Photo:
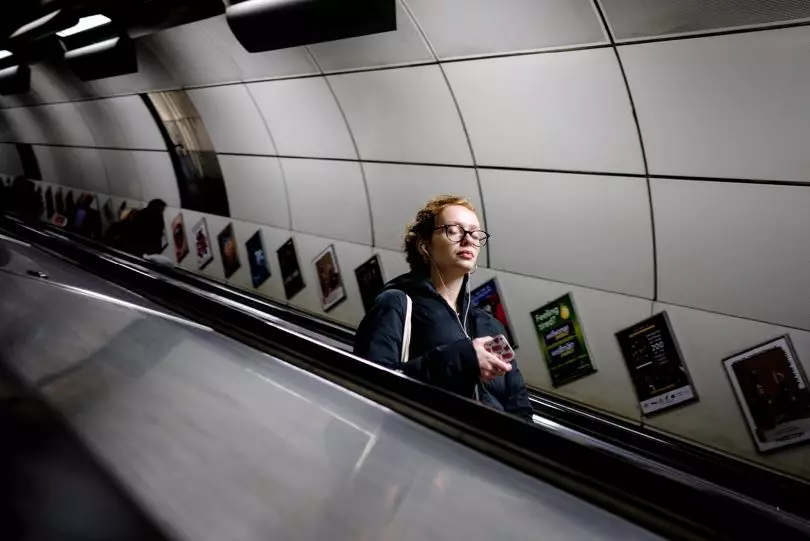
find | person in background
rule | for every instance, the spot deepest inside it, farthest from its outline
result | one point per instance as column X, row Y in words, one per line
column 87, row 221
column 21, row 199
column 447, row 347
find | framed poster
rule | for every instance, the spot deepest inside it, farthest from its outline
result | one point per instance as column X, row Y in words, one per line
column 771, row 389
column 180, row 239
column 70, row 206
column 329, row 278
column 488, row 298
column 228, row 251
column 59, row 201
column 202, row 243
column 290, row 269
column 562, row 341
column 370, row 279
column 49, row 207
column 257, row 259
column 656, row 365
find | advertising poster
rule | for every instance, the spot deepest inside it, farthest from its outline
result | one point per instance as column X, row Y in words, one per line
column 49, row 207
column 257, row 259
column 290, row 269
column 562, row 341
column 179, row 236
column 202, row 243
column 228, row 251
column 59, row 199
column 329, row 278
column 370, row 279
column 656, row 366
column 488, row 298
column 70, row 206
column 772, row 391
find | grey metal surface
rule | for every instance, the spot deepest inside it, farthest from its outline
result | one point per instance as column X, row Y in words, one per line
column 219, row 441
column 632, row 19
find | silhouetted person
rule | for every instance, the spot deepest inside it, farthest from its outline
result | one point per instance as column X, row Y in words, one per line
column 148, row 230
column 22, row 199
column 87, row 220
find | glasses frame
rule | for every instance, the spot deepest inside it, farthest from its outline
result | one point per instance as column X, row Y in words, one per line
column 470, row 233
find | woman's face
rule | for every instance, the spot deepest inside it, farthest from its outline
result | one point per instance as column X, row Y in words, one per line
column 449, row 256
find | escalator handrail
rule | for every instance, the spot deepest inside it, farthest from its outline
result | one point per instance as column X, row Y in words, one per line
column 657, row 495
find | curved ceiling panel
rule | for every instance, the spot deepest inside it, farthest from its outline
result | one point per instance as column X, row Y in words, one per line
column 458, row 28
column 66, row 125
column 122, row 122
column 232, row 119
column 600, row 226
column 192, row 56
column 315, row 186
column 403, row 46
column 152, row 76
column 141, row 175
column 80, row 168
column 565, row 111
column 397, row 192
column 26, row 124
column 405, row 115
column 731, row 106
column 267, row 65
column 630, row 19
column 304, row 118
column 739, row 249
column 10, row 163
column 256, row 190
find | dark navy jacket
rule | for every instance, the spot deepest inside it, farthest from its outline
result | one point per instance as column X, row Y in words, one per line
column 440, row 353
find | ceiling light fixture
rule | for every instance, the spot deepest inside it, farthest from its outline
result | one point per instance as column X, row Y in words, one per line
column 5, row 54
column 39, row 23
column 85, row 23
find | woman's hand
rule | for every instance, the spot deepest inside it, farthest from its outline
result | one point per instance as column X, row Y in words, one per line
column 490, row 365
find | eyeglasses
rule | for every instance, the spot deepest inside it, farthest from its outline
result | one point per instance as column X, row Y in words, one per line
column 456, row 233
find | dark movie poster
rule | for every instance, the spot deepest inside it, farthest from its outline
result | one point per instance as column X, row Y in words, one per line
column 290, row 269
column 70, row 206
column 656, row 366
column 49, row 207
column 60, row 202
column 562, row 341
column 257, row 259
column 330, row 279
column 773, row 395
column 488, row 298
column 179, row 236
column 202, row 244
column 370, row 280
column 228, row 251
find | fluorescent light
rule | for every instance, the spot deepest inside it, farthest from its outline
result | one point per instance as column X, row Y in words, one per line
column 5, row 54
column 35, row 24
column 85, row 23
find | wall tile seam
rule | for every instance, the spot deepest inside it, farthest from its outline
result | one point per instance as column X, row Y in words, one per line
column 652, row 176
column 372, row 232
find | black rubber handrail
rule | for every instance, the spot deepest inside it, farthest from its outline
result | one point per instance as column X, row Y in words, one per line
column 585, row 461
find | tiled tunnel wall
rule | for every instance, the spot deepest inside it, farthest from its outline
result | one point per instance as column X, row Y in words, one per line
column 644, row 155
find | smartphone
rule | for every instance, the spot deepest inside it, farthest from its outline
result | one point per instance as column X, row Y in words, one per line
column 500, row 347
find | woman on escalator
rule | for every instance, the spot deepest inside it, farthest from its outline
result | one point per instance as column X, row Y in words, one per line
column 448, row 337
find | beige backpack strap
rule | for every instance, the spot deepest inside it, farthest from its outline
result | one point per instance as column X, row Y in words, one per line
column 406, row 333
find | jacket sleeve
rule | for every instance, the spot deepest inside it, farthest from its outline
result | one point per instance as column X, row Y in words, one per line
column 452, row 366
column 515, row 399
